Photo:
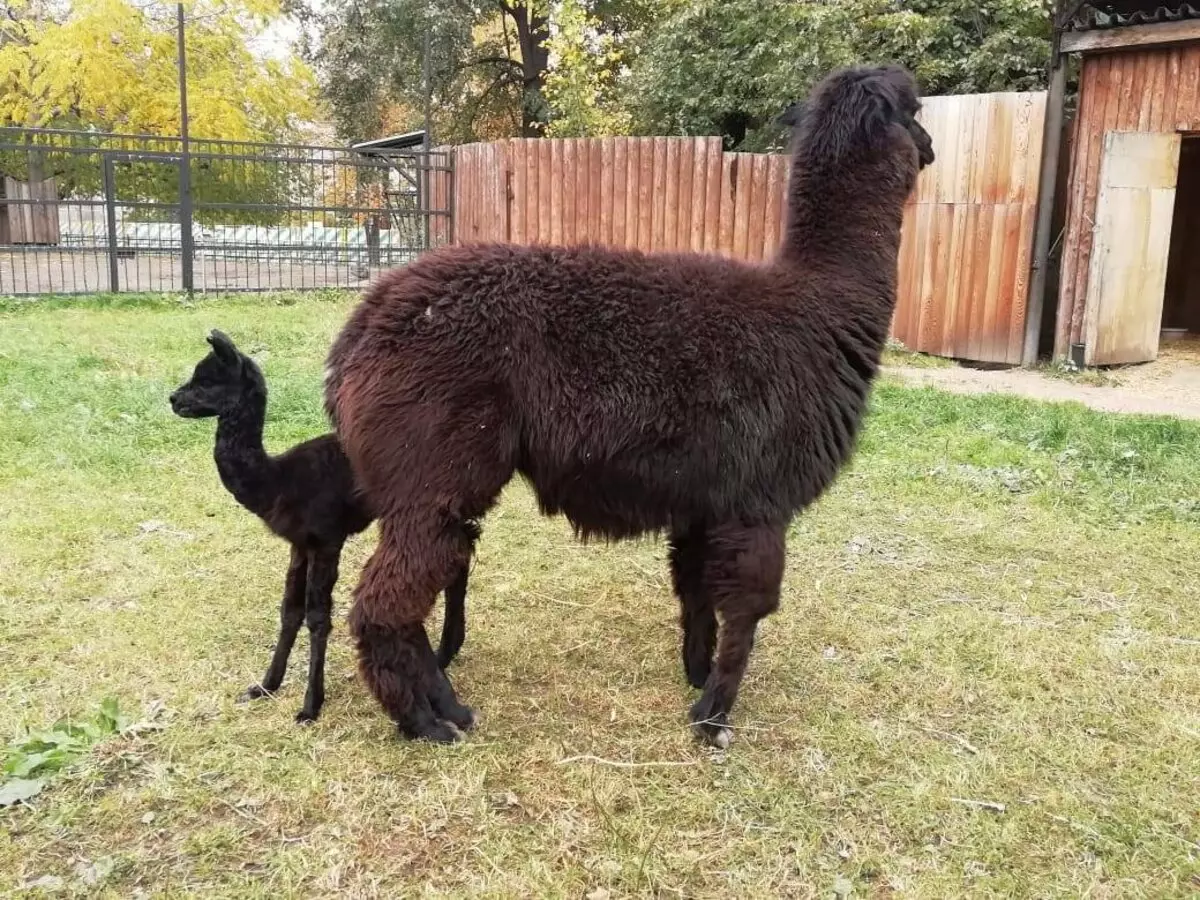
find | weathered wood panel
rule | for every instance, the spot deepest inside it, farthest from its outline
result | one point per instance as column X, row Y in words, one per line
column 1128, row 274
column 964, row 258
column 1151, row 90
column 968, row 230
column 25, row 222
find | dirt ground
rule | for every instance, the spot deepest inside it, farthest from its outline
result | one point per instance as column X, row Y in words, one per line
column 1168, row 386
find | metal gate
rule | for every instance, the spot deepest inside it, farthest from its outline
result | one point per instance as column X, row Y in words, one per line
column 83, row 212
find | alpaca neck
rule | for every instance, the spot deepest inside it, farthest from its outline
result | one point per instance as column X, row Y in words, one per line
column 243, row 464
column 849, row 214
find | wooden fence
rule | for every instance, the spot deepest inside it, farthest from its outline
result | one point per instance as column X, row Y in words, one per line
column 964, row 259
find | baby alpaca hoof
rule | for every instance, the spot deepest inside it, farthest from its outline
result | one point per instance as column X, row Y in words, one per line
column 306, row 717
column 254, row 692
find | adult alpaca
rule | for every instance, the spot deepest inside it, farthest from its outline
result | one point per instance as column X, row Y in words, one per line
column 691, row 394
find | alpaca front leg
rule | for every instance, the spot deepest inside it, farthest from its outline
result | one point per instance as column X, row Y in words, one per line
column 744, row 570
column 291, row 617
column 322, row 576
column 412, row 564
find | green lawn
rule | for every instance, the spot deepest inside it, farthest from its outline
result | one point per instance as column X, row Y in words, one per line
column 998, row 603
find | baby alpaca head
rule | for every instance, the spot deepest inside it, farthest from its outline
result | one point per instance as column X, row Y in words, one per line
column 223, row 382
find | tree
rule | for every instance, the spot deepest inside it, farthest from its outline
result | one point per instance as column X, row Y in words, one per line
column 731, row 66
column 111, row 66
column 498, row 67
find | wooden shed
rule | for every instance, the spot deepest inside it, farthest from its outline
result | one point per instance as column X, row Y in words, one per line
column 1130, row 254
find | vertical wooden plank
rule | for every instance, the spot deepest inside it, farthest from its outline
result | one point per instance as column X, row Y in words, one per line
column 1016, row 315
column 659, row 195
column 516, row 200
column 928, row 215
column 1007, row 276
column 671, row 180
column 633, row 192
column 620, row 189
column 681, row 240
column 729, row 174
column 949, row 164
column 977, row 284
column 774, row 201
column 1158, row 89
column 1131, row 90
column 979, row 173
column 699, row 203
column 998, row 155
column 1187, row 92
column 596, row 199
column 758, row 208
column 532, row 188
column 1093, row 123
column 963, row 296
column 965, row 160
column 605, row 235
column 907, row 279
column 954, row 269
column 1171, row 104
column 933, row 303
column 714, row 191
column 565, row 185
column 646, row 191
column 546, row 191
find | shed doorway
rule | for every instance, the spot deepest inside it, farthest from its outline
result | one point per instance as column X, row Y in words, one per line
column 1181, row 305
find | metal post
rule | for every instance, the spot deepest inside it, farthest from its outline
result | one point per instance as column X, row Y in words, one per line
column 110, row 218
column 424, row 178
column 1052, row 133
column 185, row 159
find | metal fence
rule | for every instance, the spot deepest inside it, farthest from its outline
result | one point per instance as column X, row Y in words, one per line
column 82, row 212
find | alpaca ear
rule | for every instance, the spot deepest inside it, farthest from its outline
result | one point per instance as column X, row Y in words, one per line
column 224, row 348
column 792, row 115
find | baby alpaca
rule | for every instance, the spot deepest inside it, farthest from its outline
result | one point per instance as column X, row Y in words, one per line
column 306, row 496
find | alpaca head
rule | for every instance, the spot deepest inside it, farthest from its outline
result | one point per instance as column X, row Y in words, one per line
column 225, row 381
column 863, row 110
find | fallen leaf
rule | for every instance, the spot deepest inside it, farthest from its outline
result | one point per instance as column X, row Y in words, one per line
column 18, row 790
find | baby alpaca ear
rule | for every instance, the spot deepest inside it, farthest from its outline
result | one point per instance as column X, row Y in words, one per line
column 224, row 348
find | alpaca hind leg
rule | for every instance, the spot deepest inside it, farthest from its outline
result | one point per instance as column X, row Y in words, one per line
column 291, row 617
column 419, row 553
column 318, row 614
column 697, row 618
column 743, row 571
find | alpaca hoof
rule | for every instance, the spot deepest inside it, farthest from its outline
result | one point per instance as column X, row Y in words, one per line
column 254, row 692
column 436, row 732
column 715, row 735
column 698, row 679
column 711, row 726
column 306, row 717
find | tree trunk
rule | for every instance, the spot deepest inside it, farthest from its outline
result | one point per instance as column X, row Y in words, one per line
column 532, row 33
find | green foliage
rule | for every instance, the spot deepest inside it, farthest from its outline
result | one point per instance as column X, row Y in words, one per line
column 110, row 65
column 35, row 756
column 731, row 66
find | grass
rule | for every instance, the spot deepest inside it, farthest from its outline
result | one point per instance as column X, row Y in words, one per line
column 996, row 603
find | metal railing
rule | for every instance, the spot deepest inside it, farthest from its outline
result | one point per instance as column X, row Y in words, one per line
column 82, row 212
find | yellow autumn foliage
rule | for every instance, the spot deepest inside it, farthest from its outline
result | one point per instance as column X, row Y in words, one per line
column 111, row 65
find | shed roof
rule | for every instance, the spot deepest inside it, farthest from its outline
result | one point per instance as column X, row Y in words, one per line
column 1092, row 16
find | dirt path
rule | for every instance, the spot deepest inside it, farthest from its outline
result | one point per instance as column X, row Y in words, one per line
column 1169, row 386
